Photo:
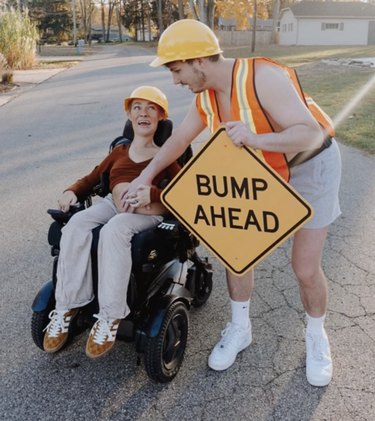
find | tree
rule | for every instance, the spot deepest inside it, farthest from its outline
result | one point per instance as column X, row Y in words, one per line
column 168, row 14
column 254, row 31
column 86, row 8
column 102, row 14
column 181, row 9
column 160, row 16
column 9, row 4
column 111, row 6
column 57, row 22
column 118, row 20
column 193, row 9
column 275, row 19
column 129, row 15
column 141, row 16
column 203, row 10
column 238, row 10
column 242, row 10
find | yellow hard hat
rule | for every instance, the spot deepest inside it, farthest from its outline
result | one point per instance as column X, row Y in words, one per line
column 186, row 39
column 149, row 93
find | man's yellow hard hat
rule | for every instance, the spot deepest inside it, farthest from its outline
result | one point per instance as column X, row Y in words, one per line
column 186, row 39
column 149, row 93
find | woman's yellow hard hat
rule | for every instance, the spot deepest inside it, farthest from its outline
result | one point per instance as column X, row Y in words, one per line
column 149, row 93
column 186, row 39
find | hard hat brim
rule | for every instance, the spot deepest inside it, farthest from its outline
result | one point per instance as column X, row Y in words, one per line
column 157, row 62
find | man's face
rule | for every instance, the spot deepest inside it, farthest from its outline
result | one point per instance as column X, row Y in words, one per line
column 188, row 74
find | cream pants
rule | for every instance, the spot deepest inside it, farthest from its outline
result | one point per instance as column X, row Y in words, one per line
column 74, row 286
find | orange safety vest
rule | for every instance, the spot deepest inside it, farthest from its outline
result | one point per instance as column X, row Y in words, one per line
column 245, row 106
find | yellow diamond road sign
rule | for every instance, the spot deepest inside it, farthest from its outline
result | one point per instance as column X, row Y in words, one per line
column 235, row 203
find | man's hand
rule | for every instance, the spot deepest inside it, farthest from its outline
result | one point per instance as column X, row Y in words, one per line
column 141, row 198
column 67, row 199
column 240, row 134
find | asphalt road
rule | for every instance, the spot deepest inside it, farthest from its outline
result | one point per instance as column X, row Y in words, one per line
column 58, row 130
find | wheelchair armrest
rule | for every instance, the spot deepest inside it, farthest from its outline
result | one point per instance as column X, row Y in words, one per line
column 63, row 217
column 175, row 227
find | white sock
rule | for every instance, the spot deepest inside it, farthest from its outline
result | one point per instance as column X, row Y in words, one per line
column 315, row 324
column 240, row 312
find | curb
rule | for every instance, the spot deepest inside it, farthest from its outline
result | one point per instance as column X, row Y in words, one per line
column 27, row 79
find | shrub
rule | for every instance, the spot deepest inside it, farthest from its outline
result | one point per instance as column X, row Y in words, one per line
column 3, row 63
column 18, row 38
column 6, row 76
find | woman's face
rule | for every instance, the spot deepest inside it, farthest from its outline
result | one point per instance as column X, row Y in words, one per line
column 145, row 116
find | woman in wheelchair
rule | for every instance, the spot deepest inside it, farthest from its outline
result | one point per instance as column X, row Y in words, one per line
column 145, row 107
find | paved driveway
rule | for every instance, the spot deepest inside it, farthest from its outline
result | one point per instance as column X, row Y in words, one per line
column 57, row 131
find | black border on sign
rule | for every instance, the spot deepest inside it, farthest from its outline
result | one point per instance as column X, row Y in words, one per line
column 266, row 167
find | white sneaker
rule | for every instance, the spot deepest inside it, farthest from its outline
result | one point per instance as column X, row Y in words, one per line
column 234, row 339
column 318, row 359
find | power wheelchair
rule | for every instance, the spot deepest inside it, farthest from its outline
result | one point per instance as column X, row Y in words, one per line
column 168, row 277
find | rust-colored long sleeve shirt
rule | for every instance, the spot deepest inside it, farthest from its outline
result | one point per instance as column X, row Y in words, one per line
column 121, row 168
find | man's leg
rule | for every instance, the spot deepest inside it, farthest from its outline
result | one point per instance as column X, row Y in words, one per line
column 240, row 288
column 237, row 335
column 306, row 261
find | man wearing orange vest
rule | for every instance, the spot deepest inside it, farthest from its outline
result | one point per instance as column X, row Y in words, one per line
column 262, row 106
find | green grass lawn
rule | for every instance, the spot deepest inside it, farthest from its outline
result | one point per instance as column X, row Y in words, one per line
column 332, row 86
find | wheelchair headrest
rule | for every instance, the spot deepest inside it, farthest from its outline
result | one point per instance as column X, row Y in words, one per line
column 162, row 133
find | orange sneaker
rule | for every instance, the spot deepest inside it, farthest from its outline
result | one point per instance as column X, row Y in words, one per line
column 57, row 330
column 102, row 337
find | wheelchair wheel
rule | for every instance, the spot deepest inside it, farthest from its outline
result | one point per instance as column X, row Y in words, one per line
column 164, row 353
column 203, row 288
column 39, row 320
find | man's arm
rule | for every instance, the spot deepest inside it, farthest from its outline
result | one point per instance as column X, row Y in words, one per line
column 172, row 149
column 176, row 145
column 296, row 129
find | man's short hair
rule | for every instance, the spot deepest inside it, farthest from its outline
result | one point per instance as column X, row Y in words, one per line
column 213, row 58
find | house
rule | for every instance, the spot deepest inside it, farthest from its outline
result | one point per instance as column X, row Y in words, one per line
column 328, row 23
column 227, row 24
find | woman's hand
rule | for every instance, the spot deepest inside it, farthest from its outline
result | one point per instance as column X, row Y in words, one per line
column 130, row 193
column 141, row 198
column 67, row 199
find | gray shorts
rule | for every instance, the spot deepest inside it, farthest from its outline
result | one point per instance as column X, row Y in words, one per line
column 318, row 181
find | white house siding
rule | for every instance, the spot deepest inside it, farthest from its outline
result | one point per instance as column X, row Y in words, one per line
column 288, row 29
column 354, row 32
